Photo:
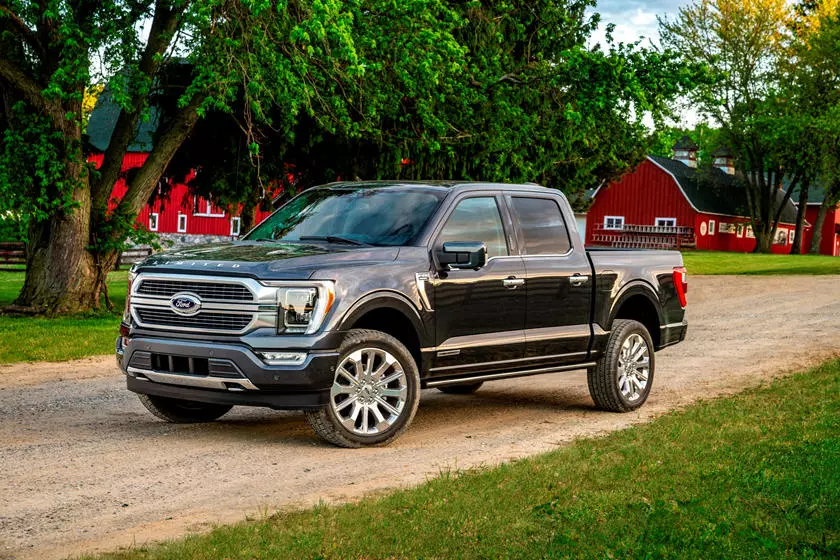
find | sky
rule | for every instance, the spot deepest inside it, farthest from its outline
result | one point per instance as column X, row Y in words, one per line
column 634, row 20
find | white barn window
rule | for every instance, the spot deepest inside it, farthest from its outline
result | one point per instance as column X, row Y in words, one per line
column 711, row 227
column 153, row 221
column 234, row 226
column 182, row 223
column 613, row 222
column 666, row 222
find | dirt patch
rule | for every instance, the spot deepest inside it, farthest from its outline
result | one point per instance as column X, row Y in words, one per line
column 37, row 373
column 86, row 468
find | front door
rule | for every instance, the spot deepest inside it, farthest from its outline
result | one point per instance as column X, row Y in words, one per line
column 479, row 314
column 557, row 329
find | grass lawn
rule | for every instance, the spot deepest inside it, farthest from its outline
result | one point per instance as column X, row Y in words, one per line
column 752, row 476
column 719, row 262
column 28, row 339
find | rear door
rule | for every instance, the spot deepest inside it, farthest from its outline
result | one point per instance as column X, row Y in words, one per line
column 559, row 283
column 479, row 314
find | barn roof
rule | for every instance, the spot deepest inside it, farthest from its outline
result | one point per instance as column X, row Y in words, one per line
column 103, row 120
column 816, row 193
column 713, row 191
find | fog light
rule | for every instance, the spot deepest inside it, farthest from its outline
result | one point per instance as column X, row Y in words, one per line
column 283, row 358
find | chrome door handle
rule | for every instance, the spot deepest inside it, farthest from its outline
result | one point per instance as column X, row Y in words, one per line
column 513, row 283
column 578, row 279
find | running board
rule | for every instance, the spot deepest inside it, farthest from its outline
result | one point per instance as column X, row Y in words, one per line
column 507, row 374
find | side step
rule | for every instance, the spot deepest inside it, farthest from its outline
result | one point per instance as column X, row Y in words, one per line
column 506, row 375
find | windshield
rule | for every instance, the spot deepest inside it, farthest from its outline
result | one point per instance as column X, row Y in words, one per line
column 353, row 215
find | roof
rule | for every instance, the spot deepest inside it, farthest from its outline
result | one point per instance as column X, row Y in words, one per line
column 447, row 184
column 722, row 152
column 103, row 120
column 685, row 143
column 713, row 191
column 816, row 193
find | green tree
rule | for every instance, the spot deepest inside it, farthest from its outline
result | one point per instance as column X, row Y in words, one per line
column 533, row 103
column 744, row 42
column 297, row 56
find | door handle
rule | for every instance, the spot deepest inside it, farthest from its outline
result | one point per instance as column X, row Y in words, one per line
column 578, row 279
column 513, row 282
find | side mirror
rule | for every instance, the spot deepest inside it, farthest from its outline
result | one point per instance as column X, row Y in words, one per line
column 463, row 254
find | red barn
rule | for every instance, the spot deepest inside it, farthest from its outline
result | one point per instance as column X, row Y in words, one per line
column 178, row 215
column 670, row 203
column 830, row 240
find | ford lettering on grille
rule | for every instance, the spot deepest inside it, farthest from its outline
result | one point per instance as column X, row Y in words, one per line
column 185, row 304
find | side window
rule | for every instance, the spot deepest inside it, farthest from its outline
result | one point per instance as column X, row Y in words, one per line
column 477, row 219
column 542, row 226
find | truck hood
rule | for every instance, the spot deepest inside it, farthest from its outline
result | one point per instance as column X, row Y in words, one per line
column 265, row 261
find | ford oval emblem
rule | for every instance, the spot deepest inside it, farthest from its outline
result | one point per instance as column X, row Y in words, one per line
column 185, row 304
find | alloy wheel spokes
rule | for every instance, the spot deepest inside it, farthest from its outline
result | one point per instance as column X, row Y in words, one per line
column 633, row 367
column 370, row 391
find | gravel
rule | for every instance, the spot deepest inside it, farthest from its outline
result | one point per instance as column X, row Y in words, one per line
column 86, row 468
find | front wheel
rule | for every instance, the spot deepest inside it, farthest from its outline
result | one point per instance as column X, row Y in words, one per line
column 183, row 412
column 374, row 395
column 622, row 378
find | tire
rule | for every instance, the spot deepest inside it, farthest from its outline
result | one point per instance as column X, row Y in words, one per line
column 463, row 389
column 356, row 415
column 609, row 387
column 183, row 412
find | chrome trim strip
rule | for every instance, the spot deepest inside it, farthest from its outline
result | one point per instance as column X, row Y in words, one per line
column 220, row 383
column 486, row 339
column 421, row 278
column 674, row 325
column 555, row 333
column 505, row 375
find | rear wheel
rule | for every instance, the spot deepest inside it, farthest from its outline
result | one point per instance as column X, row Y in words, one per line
column 183, row 412
column 463, row 389
column 622, row 379
column 374, row 395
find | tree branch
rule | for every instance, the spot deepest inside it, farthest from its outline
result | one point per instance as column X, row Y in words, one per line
column 33, row 92
column 23, row 30
column 147, row 176
column 166, row 20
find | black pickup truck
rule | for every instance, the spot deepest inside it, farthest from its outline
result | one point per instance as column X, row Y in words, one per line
column 353, row 297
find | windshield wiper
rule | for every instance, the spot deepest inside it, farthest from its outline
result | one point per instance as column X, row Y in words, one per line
column 332, row 239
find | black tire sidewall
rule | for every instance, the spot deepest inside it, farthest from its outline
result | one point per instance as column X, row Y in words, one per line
column 184, row 412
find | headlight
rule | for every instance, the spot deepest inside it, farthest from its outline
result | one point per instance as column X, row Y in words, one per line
column 303, row 306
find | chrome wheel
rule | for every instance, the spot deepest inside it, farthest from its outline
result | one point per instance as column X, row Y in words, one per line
column 633, row 367
column 369, row 392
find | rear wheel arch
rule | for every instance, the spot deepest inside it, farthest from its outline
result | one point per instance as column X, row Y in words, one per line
column 639, row 302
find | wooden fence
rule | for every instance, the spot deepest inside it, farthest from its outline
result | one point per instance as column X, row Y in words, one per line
column 13, row 256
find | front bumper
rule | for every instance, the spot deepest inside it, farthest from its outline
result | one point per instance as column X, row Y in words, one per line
column 229, row 373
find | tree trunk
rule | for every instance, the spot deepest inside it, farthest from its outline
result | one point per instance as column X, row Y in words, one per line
column 796, row 248
column 61, row 275
column 816, row 239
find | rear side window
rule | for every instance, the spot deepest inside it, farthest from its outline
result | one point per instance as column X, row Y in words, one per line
column 542, row 225
column 477, row 219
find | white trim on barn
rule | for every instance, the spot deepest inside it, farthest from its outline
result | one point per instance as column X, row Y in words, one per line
column 617, row 222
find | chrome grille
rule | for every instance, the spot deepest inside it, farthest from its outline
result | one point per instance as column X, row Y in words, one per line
column 232, row 322
column 204, row 290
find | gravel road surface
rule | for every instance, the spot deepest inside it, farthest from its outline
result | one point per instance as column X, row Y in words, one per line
column 85, row 467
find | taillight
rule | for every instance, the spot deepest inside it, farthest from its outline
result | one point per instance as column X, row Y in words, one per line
column 681, row 283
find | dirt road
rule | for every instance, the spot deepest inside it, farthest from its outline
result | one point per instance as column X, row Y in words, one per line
column 85, row 467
